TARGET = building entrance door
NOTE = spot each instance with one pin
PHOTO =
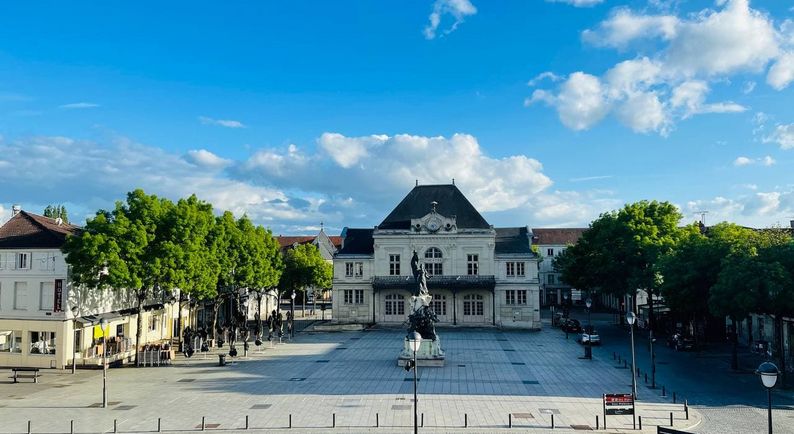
(442, 309)
(473, 308)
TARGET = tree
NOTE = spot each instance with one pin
(305, 267)
(56, 211)
(123, 250)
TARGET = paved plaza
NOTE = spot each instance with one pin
(489, 375)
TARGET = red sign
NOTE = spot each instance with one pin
(58, 293)
(618, 403)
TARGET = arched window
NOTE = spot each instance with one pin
(439, 304)
(434, 261)
(395, 304)
(473, 304)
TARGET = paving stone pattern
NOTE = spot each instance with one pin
(488, 375)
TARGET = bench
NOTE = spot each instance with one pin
(34, 374)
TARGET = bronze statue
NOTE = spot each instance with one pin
(420, 276)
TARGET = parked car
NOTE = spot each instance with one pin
(572, 326)
(681, 342)
(590, 336)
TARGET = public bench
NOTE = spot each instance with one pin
(24, 372)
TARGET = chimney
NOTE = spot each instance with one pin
(15, 209)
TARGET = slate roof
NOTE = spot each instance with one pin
(357, 242)
(30, 231)
(290, 241)
(555, 236)
(512, 240)
(451, 202)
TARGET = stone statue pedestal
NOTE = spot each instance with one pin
(430, 352)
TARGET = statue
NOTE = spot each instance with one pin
(423, 321)
(420, 276)
(422, 318)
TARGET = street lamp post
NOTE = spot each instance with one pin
(588, 349)
(631, 318)
(415, 341)
(103, 324)
(292, 316)
(769, 373)
(74, 310)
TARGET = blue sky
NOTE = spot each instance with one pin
(546, 113)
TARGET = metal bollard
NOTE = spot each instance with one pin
(671, 418)
(664, 393)
(465, 420)
(509, 420)
(333, 420)
(115, 426)
(28, 427)
(552, 421)
(639, 418)
(377, 420)
(71, 426)
(686, 410)
(422, 422)
(246, 421)
(673, 397)
(290, 420)
(158, 426)
(596, 421)
(203, 423)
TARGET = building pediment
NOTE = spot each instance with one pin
(433, 223)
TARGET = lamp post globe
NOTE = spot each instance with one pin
(103, 323)
(631, 318)
(768, 372)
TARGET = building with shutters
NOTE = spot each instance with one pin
(479, 275)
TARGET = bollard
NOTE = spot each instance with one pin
(71, 426)
(639, 418)
(203, 424)
(246, 421)
(686, 410)
(552, 421)
(509, 420)
(115, 426)
(158, 426)
(422, 422)
(673, 397)
(671, 418)
(664, 393)
(290, 420)
(465, 420)
(28, 427)
(377, 420)
(333, 420)
(596, 421)
(646, 378)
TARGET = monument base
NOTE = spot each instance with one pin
(430, 354)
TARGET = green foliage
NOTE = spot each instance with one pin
(303, 267)
(56, 211)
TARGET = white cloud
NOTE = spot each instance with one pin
(689, 53)
(4, 215)
(580, 103)
(548, 75)
(742, 161)
(768, 161)
(458, 9)
(746, 161)
(755, 208)
(590, 178)
(578, 3)
(79, 105)
(783, 136)
(221, 122)
(207, 159)
(348, 151)
(749, 86)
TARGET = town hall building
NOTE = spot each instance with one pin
(479, 275)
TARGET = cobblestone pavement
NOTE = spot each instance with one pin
(350, 380)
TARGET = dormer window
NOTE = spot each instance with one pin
(434, 261)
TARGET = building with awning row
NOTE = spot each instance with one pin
(479, 275)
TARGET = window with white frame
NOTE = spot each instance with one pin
(473, 305)
(42, 342)
(359, 296)
(434, 261)
(520, 269)
(354, 296)
(46, 295)
(348, 296)
(348, 269)
(394, 265)
(20, 295)
(22, 261)
(472, 264)
(394, 304)
(359, 269)
(439, 304)
(10, 341)
(510, 269)
(549, 252)
(516, 296)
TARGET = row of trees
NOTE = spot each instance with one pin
(150, 246)
(725, 270)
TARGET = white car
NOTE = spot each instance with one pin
(591, 337)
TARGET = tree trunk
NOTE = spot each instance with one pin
(139, 296)
(215, 309)
(735, 345)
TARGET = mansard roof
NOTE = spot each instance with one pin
(450, 202)
(30, 231)
(512, 240)
(357, 242)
